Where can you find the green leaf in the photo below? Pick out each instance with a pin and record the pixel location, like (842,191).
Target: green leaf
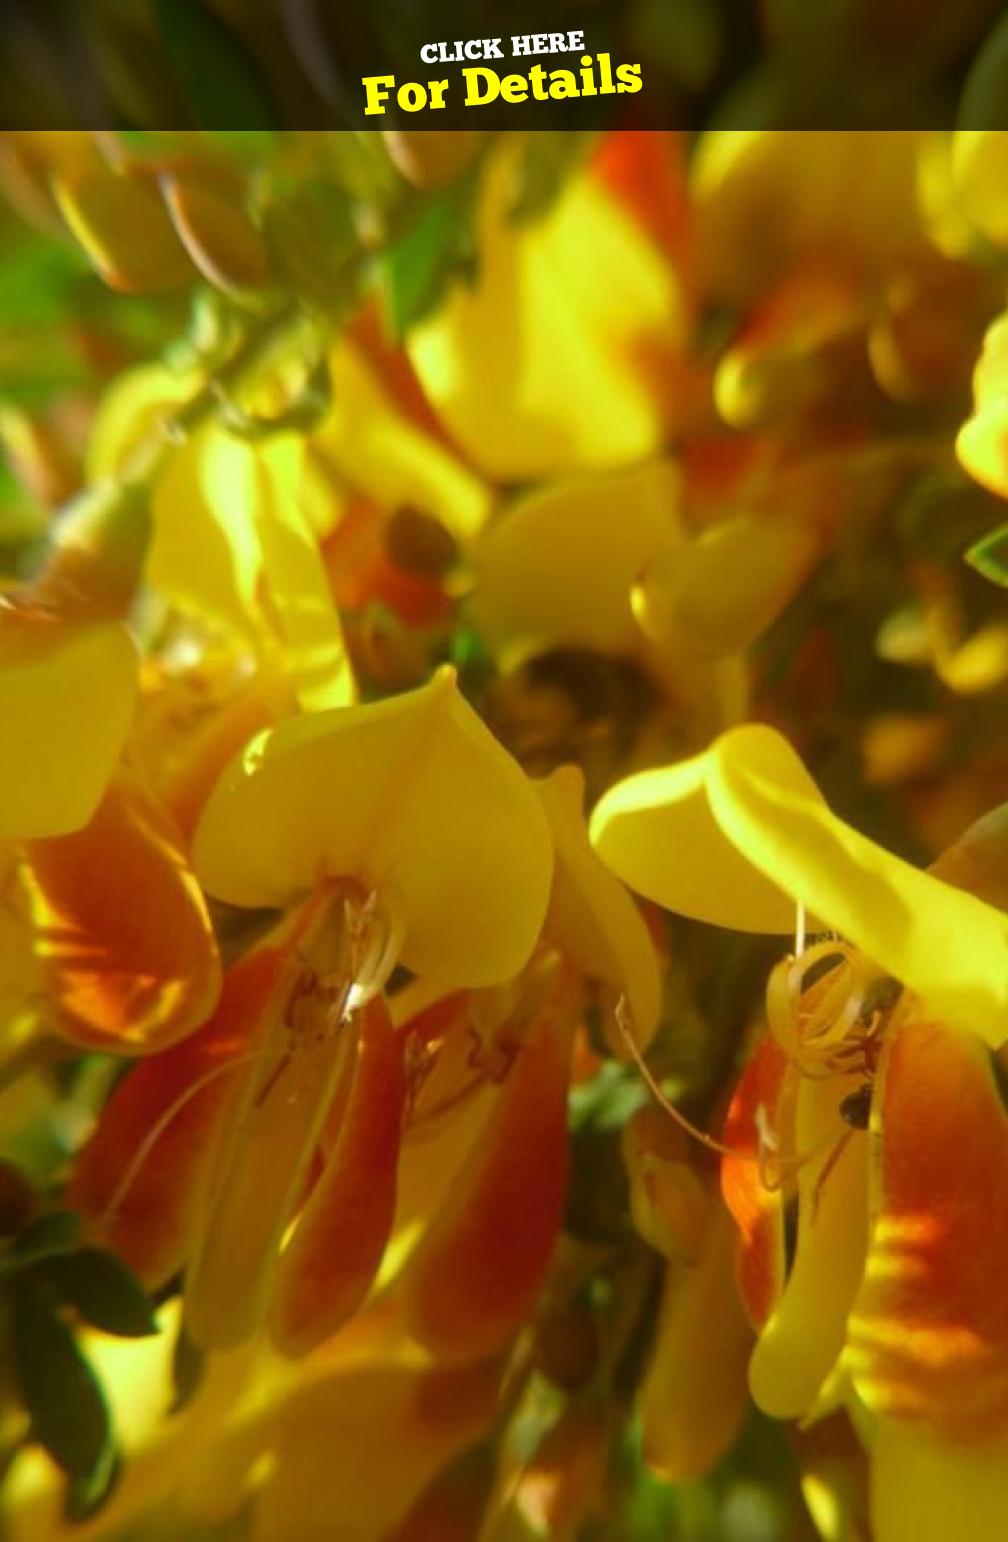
(436,245)
(105,1293)
(64,1399)
(220,81)
(48,1237)
(990,556)
(548,161)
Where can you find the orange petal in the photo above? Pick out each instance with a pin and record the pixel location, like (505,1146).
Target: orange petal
(144,1203)
(928,1338)
(326,1271)
(122,927)
(272,1126)
(757,1210)
(477,1270)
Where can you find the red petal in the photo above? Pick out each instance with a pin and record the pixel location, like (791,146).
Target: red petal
(143,1204)
(475,1274)
(928,1337)
(758,1211)
(326,1271)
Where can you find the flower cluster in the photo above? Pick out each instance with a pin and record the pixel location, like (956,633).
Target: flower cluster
(459,1071)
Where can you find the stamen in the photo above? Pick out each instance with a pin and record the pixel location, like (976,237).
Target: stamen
(376,936)
(799,935)
(768,1144)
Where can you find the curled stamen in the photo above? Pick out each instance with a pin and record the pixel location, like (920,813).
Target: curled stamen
(376,935)
(817,1024)
(775,1169)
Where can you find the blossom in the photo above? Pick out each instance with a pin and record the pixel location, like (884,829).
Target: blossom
(538,366)
(394,832)
(890,1298)
(561,569)
(122,954)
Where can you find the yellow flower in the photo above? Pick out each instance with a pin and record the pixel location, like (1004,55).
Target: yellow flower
(740,834)
(605,562)
(766,200)
(394,832)
(871,1101)
(545,363)
(367,443)
(232,540)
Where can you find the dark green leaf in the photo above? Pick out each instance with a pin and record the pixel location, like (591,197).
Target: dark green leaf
(990,556)
(64,1400)
(105,1293)
(48,1237)
(220,81)
(84,1496)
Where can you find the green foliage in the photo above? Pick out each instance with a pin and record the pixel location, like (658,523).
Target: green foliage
(990,556)
(219,79)
(65,1402)
(47,1281)
(103,1291)
(437,244)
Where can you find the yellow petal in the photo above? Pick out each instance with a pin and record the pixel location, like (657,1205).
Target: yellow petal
(232,544)
(804,1334)
(297,593)
(134,406)
(204,556)
(932,1490)
(978,162)
(982,445)
(559,567)
(764,198)
(387,458)
(411,795)
(656,830)
(739,834)
(66,699)
(694,1394)
(540,366)
(716,594)
(591,915)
